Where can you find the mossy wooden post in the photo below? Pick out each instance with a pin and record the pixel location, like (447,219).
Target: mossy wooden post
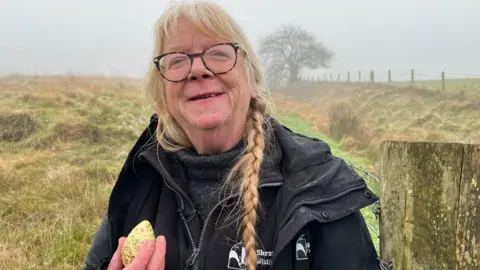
(430,199)
(468,223)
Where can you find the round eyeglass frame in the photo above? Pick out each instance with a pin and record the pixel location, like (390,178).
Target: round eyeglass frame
(235,46)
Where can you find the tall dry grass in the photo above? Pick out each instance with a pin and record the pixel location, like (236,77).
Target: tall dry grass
(59,158)
(16,126)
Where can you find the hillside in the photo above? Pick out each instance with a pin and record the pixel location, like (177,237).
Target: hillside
(361,116)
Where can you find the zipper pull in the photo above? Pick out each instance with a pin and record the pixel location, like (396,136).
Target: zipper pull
(193,257)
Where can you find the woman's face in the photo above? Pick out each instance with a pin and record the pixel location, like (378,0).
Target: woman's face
(229,93)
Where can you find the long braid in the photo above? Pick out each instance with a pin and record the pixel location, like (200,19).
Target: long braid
(249,186)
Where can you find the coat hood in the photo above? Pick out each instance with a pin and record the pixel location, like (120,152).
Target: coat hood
(318,186)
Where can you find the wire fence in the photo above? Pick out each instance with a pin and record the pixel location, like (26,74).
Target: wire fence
(441,80)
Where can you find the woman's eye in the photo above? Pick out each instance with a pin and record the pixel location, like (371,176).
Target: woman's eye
(176,61)
(218,54)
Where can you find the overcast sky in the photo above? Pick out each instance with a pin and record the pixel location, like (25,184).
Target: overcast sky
(114,37)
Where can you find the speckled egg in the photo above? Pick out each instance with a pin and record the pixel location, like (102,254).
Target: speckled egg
(143,231)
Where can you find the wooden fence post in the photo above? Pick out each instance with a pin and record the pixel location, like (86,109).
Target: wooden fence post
(443,80)
(359,76)
(412,79)
(348,76)
(389,76)
(430,199)
(372,76)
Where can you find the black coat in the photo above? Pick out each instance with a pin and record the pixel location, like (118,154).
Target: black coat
(310,218)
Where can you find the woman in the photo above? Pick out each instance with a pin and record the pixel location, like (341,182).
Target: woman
(221,181)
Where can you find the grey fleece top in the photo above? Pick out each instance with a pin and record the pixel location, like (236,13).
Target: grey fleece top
(206,172)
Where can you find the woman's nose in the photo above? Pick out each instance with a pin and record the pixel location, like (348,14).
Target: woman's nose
(199,70)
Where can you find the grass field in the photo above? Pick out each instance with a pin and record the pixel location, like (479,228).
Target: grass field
(62,143)
(361,116)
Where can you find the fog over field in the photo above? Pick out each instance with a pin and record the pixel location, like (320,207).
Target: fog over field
(115,37)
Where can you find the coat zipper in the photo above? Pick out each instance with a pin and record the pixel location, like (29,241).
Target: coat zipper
(195,251)
(192,260)
(200,242)
(319,201)
(189,232)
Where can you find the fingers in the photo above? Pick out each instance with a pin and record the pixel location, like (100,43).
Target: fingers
(116,262)
(143,256)
(157,262)
(150,256)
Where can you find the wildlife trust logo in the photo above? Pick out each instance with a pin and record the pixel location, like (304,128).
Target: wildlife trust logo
(237,254)
(237,260)
(302,248)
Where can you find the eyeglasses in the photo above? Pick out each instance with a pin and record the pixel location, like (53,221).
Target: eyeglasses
(176,66)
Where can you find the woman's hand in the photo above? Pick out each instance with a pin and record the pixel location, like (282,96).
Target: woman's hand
(150,256)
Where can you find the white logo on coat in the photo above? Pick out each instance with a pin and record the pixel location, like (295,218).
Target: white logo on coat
(237,257)
(302,248)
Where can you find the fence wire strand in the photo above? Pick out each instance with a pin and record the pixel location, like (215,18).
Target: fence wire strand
(364,171)
(376,209)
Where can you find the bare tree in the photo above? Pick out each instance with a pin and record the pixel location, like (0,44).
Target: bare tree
(289,50)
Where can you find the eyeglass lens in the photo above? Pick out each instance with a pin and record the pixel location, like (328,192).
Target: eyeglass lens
(218,59)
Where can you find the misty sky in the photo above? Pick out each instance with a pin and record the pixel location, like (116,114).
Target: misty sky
(115,37)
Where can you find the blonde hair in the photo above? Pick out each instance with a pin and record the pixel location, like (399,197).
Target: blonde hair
(214,21)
